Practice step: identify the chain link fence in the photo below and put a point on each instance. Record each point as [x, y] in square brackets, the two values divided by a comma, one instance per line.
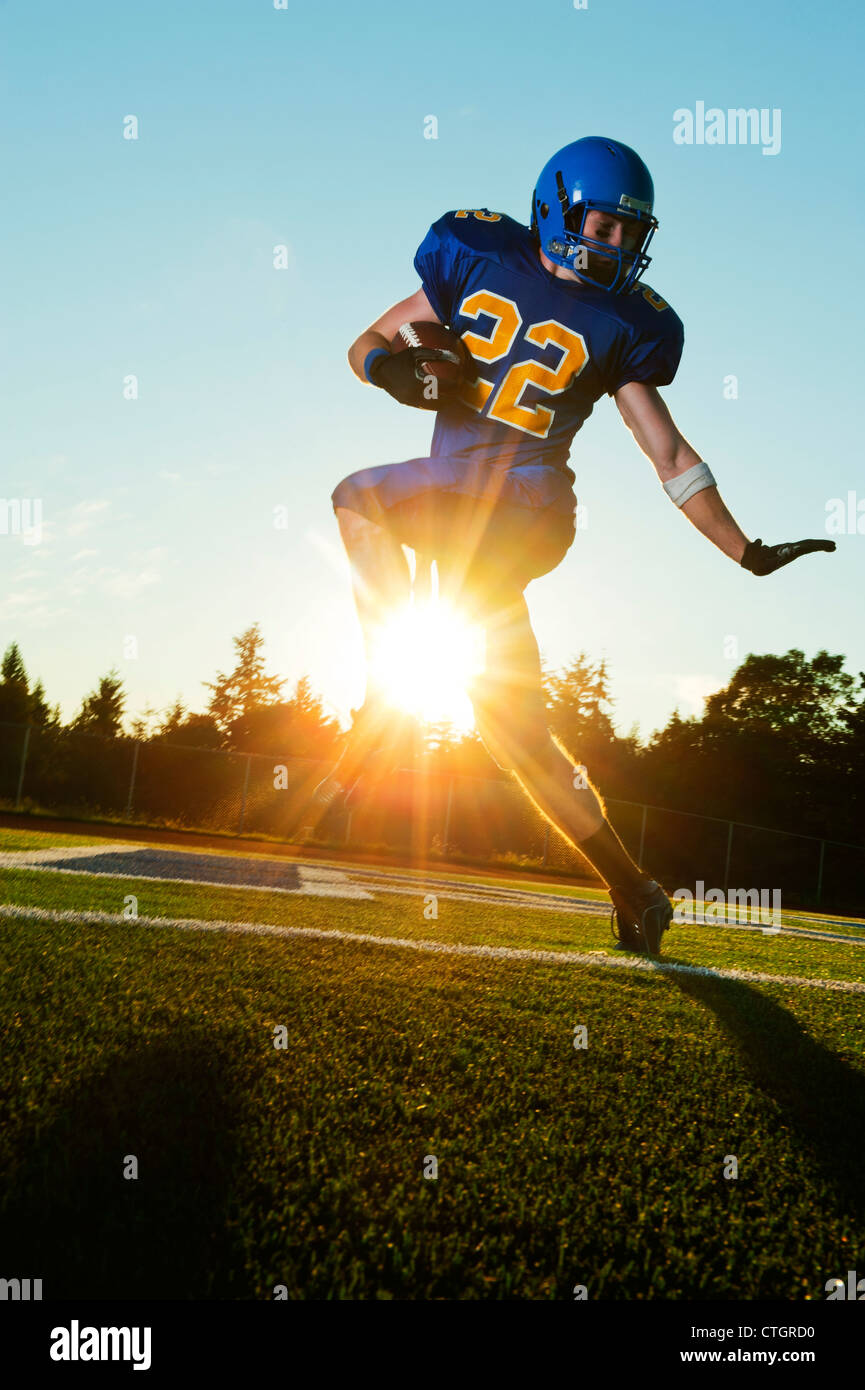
[414, 813]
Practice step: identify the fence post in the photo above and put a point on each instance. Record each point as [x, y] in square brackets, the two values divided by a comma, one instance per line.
[546, 844]
[642, 838]
[21, 769]
[348, 826]
[132, 778]
[245, 788]
[729, 852]
[820, 872]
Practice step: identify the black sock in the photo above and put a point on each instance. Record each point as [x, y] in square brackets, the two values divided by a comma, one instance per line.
[605, 851]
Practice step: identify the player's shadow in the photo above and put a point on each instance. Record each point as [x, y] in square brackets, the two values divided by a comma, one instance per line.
[820, 1096]
[70, 1217]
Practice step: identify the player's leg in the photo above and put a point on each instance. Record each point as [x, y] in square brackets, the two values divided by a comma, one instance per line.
[511, 718]
[380, 581]
[379, 509]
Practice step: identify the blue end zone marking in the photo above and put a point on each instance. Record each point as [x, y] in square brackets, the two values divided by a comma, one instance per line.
[209, 868]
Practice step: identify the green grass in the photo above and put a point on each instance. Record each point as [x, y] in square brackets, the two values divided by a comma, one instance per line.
[35, 839]
[304, 1166]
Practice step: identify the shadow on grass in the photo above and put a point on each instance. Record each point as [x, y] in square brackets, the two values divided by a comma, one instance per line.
[70, 1217]
[821, 1097]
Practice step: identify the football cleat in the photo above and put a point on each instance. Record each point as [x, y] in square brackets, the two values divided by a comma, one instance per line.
[588, 174]
[638, 920]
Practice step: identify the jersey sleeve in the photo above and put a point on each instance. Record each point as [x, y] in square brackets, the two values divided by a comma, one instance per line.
[652, 355]
[436, 264]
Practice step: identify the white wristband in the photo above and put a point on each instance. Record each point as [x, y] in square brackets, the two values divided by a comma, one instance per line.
[686, 485]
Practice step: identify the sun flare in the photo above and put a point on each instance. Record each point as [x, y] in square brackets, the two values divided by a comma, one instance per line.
[425, 658]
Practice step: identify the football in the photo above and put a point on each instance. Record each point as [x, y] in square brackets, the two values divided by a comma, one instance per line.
[448, 373]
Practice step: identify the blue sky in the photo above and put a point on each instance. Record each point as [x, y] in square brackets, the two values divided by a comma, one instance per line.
[304, 127]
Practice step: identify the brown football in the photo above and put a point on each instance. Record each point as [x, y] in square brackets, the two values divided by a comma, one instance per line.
[448, 374]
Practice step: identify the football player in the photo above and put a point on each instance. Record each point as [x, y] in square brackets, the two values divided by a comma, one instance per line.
[554, 316]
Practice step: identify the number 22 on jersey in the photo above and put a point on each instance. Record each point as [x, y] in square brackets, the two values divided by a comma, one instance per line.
[506, 405]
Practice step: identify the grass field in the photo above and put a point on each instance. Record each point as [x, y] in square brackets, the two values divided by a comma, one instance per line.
[303, 1166]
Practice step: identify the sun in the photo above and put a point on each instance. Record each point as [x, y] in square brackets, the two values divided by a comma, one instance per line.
[425, 658]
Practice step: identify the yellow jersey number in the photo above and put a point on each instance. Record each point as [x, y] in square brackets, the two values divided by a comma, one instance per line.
[506, 405]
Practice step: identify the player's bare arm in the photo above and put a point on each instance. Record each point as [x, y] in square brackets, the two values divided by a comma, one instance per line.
[689, 482]
[379, 334]
[645, 413]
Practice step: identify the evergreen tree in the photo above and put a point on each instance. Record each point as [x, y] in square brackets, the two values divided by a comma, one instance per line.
[102, 710]
[14, 690]
[141, 727]
[43, 715]
[173, 719]
[580, 709]
[12, 666]
[294, 728]
[246, 688]
[188, 730]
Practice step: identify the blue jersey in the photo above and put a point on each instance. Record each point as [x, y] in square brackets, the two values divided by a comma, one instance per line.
[543, 348]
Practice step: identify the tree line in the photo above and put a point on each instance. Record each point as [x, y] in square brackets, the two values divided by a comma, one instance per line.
[245, 712]
[781, 745]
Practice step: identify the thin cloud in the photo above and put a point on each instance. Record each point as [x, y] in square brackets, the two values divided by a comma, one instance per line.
[86, 514]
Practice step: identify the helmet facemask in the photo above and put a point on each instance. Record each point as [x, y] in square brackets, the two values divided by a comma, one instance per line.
[623, 266]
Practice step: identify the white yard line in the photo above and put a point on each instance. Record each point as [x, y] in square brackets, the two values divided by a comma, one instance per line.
[17, 913]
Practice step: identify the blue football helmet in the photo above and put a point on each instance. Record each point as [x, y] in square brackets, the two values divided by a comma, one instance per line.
[588, 174]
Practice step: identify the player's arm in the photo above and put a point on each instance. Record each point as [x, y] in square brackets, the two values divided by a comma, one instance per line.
[650, 422]
[689, 483]
[380, 334]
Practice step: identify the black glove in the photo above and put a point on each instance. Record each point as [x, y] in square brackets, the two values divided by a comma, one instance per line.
[402, 375]
[764, 559]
